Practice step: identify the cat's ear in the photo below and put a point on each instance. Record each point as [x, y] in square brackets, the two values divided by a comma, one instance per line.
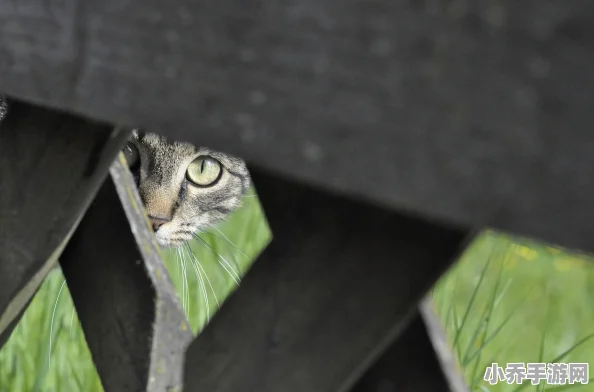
[3, 107]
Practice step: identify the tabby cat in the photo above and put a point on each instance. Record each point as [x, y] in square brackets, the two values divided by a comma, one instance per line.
[185, 189]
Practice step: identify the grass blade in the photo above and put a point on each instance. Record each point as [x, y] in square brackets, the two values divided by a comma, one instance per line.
[471, 301]
[559, 358]
[569, 350]
[483, 325]
[500, 327]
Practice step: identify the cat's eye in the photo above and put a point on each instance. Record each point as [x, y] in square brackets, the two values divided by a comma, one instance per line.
[132, 155]
[204, 171]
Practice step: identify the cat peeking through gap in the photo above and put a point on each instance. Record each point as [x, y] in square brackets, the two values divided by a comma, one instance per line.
[185, 189]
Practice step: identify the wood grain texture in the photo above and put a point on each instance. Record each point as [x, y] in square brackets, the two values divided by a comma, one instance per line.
[471, 112]
[127, 305]
[334, 288]
[51, 165]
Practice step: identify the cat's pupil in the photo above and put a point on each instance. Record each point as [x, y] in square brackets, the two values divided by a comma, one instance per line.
[204, 171]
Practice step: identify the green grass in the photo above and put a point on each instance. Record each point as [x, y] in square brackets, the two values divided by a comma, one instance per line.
[513, 300]
[532, 303]
[25, 361]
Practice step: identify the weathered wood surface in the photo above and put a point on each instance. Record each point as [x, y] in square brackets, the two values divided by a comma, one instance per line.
[473, 112]
[125, 300]
[39, 204]
[441, 346]
[412, 363]
[324, 301]
[334, 288]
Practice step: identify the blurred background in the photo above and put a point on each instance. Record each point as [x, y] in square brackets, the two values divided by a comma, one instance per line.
[506, 300]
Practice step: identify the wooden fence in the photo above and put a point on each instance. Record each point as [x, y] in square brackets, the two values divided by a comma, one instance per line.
[379, 135]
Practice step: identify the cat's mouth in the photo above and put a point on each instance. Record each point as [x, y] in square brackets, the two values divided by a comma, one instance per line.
[166, 235]
[168, 239]
[167, 243]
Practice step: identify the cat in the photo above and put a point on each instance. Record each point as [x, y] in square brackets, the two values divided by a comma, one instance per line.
[185, 189]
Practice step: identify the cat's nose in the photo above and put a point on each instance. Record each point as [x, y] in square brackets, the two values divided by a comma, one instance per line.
[157, 222]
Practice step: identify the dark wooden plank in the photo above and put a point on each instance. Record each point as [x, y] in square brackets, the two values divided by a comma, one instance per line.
[475, 112]
[411, 364]
[126, 302]
[51, 165]
[331, 291]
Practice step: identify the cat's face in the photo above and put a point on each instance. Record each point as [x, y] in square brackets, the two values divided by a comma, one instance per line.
[185, 189]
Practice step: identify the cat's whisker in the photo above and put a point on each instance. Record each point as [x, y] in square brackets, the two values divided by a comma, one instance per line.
[210, 284]
[71, 321]
[234, 263]
[184, 280]
[49, 354]
[222, 261]
[205, 274]
[228, 241]
[178, 260]
[177, 266]
[194, 260]
[196, 272]
[213, 251]
[185, 273]
[231, 254]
